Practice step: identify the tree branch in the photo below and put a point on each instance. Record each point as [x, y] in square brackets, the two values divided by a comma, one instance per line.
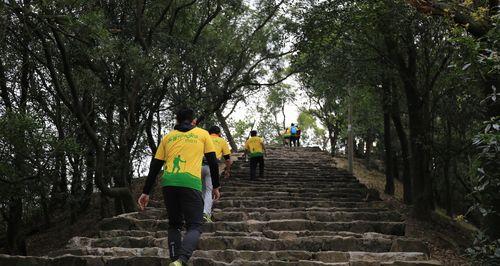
[206, 22]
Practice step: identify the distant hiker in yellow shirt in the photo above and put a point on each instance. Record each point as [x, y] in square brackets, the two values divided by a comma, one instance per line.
[222, 150]
[286, 136]
[255, 149]
[180, 153]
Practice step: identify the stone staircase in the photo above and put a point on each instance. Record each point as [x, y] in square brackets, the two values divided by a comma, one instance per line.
[305, 212]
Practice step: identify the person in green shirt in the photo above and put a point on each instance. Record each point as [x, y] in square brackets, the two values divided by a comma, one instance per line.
[255, 149]
[180, 153]
[286, 136]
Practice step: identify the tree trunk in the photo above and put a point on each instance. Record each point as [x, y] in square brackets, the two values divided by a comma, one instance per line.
[359, 148]
[369, 147]
[389, 178]
[74, 104]
[395, 166]
[16, 243]
[446, 175]
[403, 142]
[418, 111]
[332, 135]
[226, 130]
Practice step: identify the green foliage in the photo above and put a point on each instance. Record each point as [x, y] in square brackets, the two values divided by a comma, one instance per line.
[486, 186]
[241, 131]
[27, 158]
[312, 133]
[484, 250]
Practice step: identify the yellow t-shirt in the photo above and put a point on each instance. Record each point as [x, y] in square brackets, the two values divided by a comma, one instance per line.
[183, 153]
[255, 146]
[287, 133]
[221, 146]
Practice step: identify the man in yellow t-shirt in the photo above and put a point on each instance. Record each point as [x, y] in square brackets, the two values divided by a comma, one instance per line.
[255, 149]
[286, 136]
[181, 153]
[222, 151]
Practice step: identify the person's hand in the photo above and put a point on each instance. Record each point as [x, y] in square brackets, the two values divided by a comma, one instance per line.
[143, 201]
[215, 194]
[227, 173]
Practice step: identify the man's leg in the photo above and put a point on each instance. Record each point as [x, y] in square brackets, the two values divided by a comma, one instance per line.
[207, 190]
[174, 221]
[253, 167]
[261, 167]
[192, 208]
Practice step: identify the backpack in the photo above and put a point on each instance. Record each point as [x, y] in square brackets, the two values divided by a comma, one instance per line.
[293, 130]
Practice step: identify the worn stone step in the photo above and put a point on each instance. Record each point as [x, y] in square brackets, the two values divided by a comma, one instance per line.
[291, 181]
[112, 252]
[70, 260]
[212, 262]
[315, 243]
[278, 204]
[160, 213]
[296, 199]
[326, 174]
[230, 255]
[299, 209]
[323, 216]
[283, 185]
[312, 244]
[389, 228]
[304, 170]
[261, 189]
[253, 194]
[308, 215]
[268, 233]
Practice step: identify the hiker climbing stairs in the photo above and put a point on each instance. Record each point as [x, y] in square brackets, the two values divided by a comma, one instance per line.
[305, 211]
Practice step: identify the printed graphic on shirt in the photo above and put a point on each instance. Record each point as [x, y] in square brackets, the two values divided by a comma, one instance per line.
[183, 153]
[254, 146]
[176, 167]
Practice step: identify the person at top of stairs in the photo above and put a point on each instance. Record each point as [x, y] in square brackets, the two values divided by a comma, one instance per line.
[255, 149]
[222, 150]
[293, 135]
[299, 132]
[286, 136]
[181, 153]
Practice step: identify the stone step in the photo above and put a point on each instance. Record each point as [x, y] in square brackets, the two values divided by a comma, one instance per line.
[300, 209]
[322, 216]
[311, 215]
[257, 243]
[267, 189]
[160, 213]
[296, 198]
[321, 256]
[283, 185]
[70, 260]
[294, 173]
[278, 204]
[269, 234]
[253, 194]
[389, 228]
[277, 179]
[230, 255]
[211, 262]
